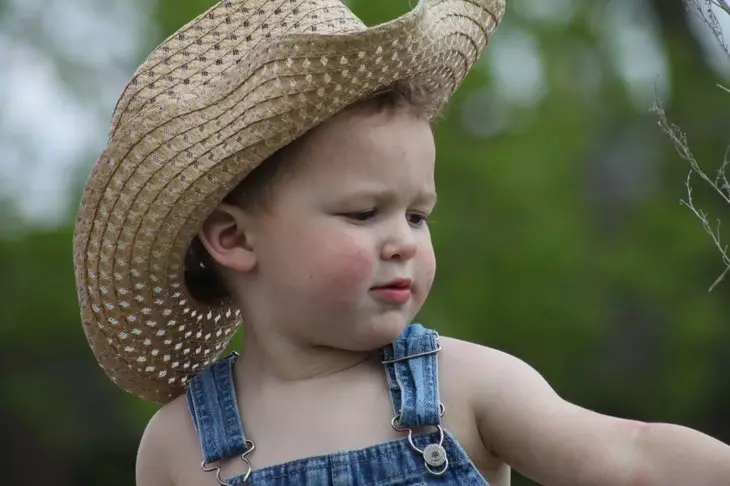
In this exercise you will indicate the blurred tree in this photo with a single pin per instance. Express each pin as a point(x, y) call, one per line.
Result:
point(57, 407)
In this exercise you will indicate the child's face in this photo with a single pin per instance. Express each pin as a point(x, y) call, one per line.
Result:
point(349, 218)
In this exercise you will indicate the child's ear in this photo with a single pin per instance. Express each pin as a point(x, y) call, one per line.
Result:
point(225, 234)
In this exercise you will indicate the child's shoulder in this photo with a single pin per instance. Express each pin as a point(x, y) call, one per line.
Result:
point(168, 437)
point(475, 364)
point(496, 385)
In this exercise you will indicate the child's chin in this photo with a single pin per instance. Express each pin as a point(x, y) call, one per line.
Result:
point(381, 333)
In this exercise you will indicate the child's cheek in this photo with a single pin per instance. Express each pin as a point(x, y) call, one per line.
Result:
point(346, 267)
point(426, 272)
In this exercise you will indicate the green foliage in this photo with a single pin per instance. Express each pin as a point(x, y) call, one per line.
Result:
point(172, 15)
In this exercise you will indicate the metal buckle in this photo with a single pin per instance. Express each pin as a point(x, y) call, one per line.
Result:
point(418, 355)
point(208, 468)
point(434, 455)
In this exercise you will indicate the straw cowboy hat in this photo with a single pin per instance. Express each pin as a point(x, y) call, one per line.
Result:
point(207, 106)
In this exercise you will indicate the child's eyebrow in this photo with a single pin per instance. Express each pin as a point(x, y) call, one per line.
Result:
point(428, 197)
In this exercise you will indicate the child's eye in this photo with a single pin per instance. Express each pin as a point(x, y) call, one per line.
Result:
point(417, 219)
point(362, 215)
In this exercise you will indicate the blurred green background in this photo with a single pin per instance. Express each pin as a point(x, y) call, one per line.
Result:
point(559, 233)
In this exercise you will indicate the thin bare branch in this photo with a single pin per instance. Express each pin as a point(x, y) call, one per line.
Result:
point(714, 233)
point(703, 9)
point(679, 140)
point(720, 184)
point(724, 5)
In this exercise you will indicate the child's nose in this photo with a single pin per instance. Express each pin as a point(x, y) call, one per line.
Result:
point(400, 246)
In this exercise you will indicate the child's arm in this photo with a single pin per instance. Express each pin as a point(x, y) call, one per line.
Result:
point(525, 423)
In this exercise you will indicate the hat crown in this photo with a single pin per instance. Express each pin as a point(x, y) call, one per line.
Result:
point(209, 47)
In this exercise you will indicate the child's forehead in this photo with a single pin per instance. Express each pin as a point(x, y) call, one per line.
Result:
point(358, 179)
point(361, 148)
point(365, 134)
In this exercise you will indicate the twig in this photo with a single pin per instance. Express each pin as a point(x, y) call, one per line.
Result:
point(721, 185)
point(679, 140)
point(714, 234)
point(703, 9)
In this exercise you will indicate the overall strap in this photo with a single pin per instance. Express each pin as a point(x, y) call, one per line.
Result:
point(411, 365)
point(214, 409)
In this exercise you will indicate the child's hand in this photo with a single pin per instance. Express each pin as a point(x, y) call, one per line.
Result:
point(524, 422)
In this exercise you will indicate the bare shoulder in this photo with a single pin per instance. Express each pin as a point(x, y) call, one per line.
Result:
point(494, 382)
point(491, 374)
point(167, 435)
point(470, 376)
point(476, 366)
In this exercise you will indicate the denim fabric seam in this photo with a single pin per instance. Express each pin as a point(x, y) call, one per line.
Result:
point(265, 476)
point(202, 416)
point(395, 387)
point(432, 392)
point(419, 405)
point(299, 468)
point(195, 414)
point(230, 401)
point(392, 479)
point(399, 384)
point(410, 368)
point(213, 407)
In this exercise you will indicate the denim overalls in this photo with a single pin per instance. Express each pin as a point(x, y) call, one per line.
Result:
point(411, 367)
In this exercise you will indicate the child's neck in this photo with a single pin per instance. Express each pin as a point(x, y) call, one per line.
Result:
point(271, 357)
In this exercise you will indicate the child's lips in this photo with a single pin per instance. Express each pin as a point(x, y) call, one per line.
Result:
point(397, 291)
point(396, 283)
point(392, 295)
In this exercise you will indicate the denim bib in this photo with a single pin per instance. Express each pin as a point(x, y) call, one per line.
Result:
point(411, 368)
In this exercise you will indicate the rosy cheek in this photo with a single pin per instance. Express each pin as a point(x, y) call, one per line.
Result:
point(351, 269)
point(426, 266)
point(338, 263)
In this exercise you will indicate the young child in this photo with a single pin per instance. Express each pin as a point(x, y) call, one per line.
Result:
point(272, 163)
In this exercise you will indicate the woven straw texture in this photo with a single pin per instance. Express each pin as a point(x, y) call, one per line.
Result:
point(210, 103)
